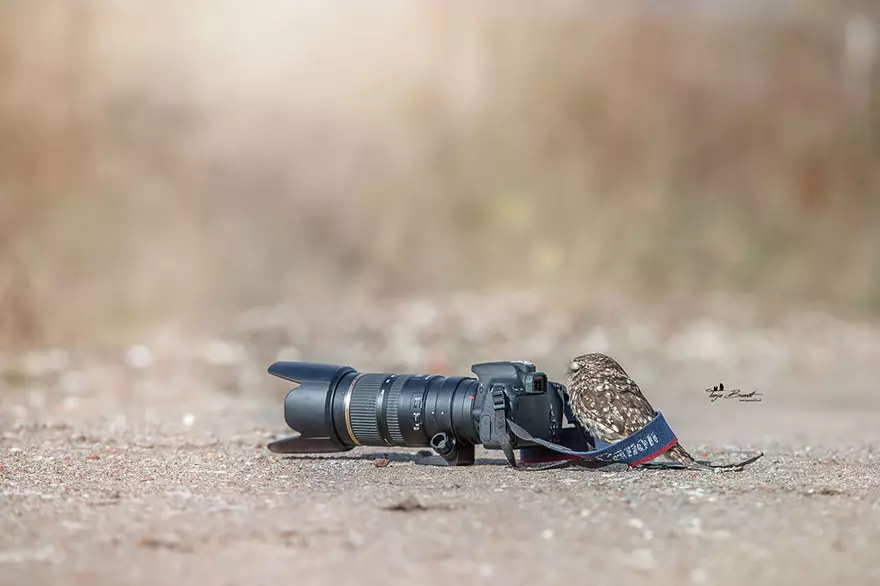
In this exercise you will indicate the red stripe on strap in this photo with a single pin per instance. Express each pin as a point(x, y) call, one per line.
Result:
point(655, 454)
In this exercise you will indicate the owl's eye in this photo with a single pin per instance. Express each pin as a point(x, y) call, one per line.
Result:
point(575, 365)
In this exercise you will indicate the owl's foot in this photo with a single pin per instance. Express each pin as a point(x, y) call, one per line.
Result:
point(679, 455)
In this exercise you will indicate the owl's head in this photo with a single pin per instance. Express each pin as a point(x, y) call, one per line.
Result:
point(575, 364)
point(593, 362)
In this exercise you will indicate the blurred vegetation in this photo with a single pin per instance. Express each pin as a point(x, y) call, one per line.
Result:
point(177, 161)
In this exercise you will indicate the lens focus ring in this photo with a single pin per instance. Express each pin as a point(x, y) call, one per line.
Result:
point(363, 409)
point(392, 411)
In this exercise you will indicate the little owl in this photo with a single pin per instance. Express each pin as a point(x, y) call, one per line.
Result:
point(610, 405)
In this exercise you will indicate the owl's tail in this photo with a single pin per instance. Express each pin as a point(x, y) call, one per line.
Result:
point(680, 455)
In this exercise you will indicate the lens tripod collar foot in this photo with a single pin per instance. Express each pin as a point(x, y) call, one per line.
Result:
point(448, 452)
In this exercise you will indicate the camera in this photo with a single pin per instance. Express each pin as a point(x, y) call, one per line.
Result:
point(336, 408)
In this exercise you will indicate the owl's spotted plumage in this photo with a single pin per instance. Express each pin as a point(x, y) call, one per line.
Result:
point(609, 404)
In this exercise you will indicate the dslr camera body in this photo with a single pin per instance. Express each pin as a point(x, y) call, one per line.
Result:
point(335, 408)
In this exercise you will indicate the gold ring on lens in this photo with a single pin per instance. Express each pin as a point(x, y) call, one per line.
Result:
point(348, 408)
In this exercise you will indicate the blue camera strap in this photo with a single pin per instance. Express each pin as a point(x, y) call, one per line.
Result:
point(642, 446)
point(637, 449)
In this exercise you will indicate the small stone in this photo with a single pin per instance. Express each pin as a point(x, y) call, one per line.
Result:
point(188, 419)
point(380, 462)
point(410, 503)
point(547, 534)
point(93, 457)
point(413, 503)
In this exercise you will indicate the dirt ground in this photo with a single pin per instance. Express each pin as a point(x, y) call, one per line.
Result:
point(155, 486)
point(111, 503)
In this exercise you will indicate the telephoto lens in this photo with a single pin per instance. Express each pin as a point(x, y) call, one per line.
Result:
point(335, 408)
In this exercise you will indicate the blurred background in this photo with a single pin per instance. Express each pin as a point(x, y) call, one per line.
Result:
point(425, 185)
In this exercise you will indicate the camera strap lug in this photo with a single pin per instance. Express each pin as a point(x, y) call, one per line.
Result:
point(499, 403)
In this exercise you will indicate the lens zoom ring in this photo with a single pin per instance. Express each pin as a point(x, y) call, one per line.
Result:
point(393, 410)
point(363, 409)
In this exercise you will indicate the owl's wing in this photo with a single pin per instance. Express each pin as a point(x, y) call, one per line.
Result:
point(628, 390)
